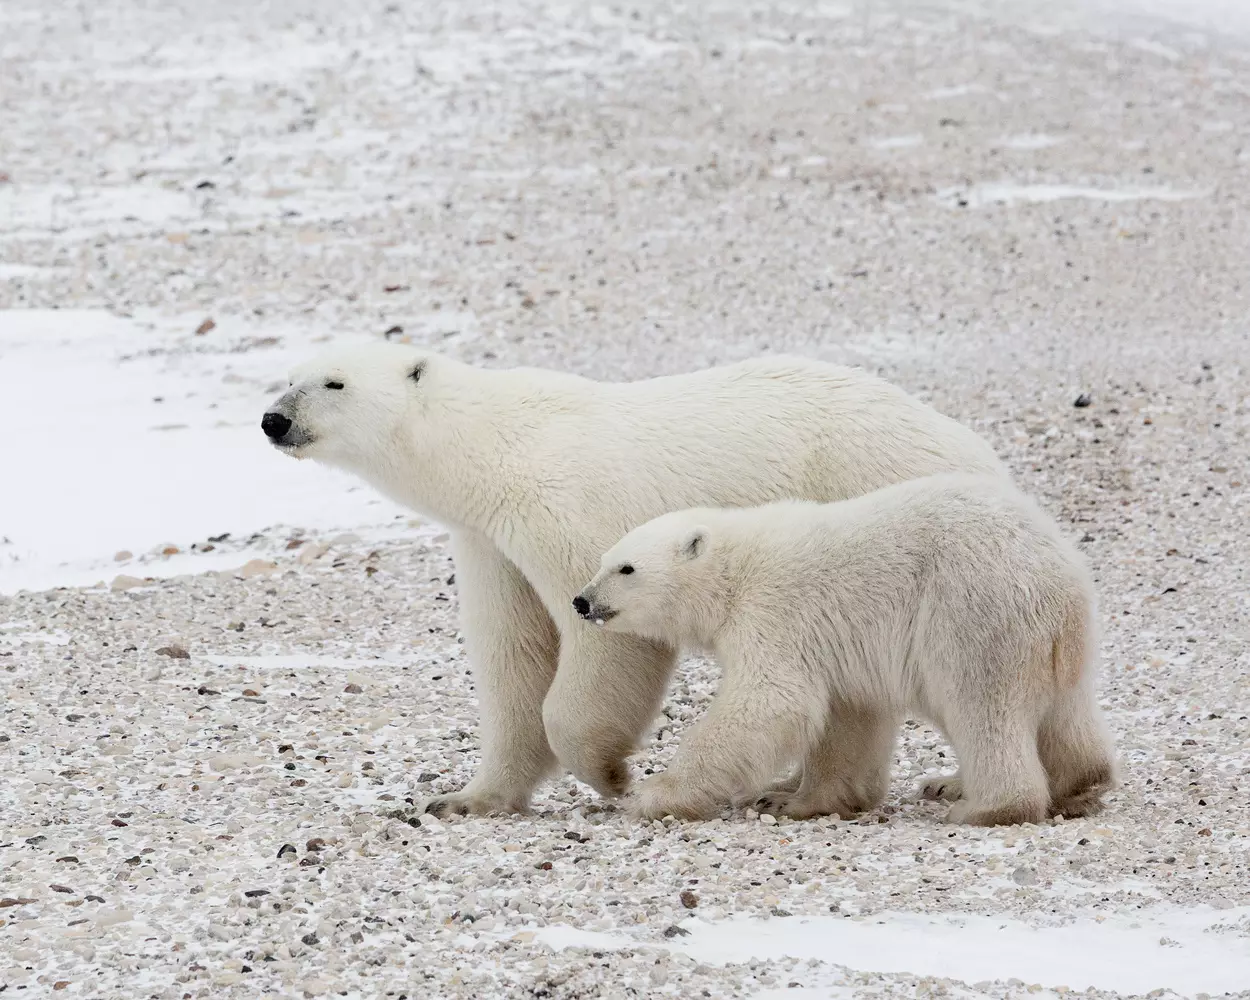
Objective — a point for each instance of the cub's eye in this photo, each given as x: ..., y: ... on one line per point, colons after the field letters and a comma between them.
x: 626, y: 570
x: 334, y: 385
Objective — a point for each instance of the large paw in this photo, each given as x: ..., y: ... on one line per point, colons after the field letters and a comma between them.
x: 941, y: 787
x: 466, y: 802
x: 664, y: 795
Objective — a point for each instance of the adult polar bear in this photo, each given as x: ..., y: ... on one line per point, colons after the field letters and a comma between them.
x: 537, y: 473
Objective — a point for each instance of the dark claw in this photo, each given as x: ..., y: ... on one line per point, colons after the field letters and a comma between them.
x: 444, y: 807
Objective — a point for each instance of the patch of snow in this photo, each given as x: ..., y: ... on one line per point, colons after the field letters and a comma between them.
x: 561, y: 936
x: 960, y: 90
x: 277, y: 58
x: 298, y: 661
x: 19, y: 633
x: 136, y: 435
x: 9, y: 271
x: 1180, y: 950
x: 1156, y: 49
x: 42, y: 207
x: 1006, y: 193
x: 1220, y: 16
x: 896, y: 142
x: 1029, y: 140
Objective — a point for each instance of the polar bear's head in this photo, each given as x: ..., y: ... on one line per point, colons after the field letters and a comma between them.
x: 344, y: 405
x: 659, y: 581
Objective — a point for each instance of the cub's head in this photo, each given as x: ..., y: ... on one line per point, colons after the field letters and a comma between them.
x: 344, y: 405
x: 656, y: 582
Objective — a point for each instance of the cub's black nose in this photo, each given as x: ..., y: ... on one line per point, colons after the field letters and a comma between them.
x: 275, y: 425
x: 581, y: 605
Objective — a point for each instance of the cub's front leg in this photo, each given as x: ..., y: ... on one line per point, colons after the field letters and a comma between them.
x: 847, y: 771
x: 758, y: 721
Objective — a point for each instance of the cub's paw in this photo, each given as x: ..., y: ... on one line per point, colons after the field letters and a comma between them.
x: 969, y: 813
x: 775, y: 802
x: 941, y: 787
x: 662, y: 795
x: 807, y: 806
x: 786, y: 786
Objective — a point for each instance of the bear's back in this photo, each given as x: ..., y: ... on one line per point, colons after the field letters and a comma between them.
x: 956, y: 537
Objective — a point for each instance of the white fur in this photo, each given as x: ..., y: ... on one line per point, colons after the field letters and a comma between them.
x: 953, y: 597
x: 537, y: 472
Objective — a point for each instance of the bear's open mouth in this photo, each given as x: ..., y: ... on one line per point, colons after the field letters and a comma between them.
x: 600, y: 616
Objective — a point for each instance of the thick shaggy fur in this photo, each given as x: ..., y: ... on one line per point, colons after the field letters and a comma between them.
x: 537, y: 472
x: 952, y: 597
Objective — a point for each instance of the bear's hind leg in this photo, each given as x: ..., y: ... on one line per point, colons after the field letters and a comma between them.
x: 1076, y: 751
x: 1001, y: 776
x: 512, y: 645
x: 847, y: 771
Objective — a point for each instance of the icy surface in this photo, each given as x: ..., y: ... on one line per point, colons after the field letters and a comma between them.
x: 130, y: 436
x: 1181, y: 951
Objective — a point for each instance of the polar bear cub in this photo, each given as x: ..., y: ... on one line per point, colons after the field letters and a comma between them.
x: 953, y: 597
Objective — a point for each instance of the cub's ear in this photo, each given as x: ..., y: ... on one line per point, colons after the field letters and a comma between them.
x: 695, y: 543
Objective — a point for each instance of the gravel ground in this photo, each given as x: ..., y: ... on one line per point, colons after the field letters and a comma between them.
x: 620, y: 192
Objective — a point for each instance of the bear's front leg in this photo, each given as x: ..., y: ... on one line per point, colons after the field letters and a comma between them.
x: 513, y: 645
x: 608, y: 687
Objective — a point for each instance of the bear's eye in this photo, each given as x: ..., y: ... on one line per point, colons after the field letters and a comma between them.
x: 626, y: 570
x: 334, y: 385
x: 417, y: 372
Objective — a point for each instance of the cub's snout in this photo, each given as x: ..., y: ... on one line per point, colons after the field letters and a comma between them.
x: 592, y: 610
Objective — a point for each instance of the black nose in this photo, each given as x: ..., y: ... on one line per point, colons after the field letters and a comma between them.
x: 275, y: 425
x: 581, y: 605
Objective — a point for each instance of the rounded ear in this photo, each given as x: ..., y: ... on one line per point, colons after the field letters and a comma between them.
x: 695, y: 542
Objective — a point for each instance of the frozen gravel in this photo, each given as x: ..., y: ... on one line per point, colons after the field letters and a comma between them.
x: 206, y: 777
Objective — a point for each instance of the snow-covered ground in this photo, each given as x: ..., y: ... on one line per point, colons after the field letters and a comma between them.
x: 137, y: 437
x: 999, y: 204
x: 1079, y: 955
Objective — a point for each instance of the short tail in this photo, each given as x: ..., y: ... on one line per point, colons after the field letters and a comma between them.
x: 1075, y: 641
